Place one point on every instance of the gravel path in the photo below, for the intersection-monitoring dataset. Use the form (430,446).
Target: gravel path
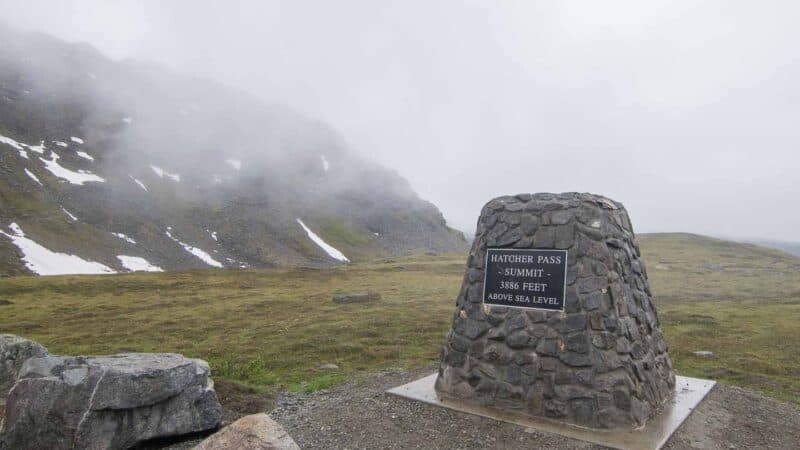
(360,415)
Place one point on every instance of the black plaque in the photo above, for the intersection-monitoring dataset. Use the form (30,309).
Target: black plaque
(525,278)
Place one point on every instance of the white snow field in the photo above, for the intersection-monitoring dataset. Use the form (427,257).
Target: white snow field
(163,173)
(69,175)
(137,264)
(235,163)
(141,185)
(33,177)
(332,252)
(76,140)
(325,164)
(200,253)
(43,261)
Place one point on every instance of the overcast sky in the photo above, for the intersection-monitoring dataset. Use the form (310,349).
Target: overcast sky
(687,112)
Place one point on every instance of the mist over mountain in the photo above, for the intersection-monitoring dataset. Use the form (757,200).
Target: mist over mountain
(108,160)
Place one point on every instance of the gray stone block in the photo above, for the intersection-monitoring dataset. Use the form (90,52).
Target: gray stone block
(117,401)
(14,351)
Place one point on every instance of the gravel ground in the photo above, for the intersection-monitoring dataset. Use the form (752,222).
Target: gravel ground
(359,415)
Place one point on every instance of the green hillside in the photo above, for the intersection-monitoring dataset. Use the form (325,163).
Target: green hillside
(740,301)
(273,328)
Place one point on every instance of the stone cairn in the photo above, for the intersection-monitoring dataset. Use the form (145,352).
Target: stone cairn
(602,362)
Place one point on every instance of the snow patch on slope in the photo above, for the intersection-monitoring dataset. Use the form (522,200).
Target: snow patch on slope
(235,163)
(16,145)
(61,144)
(37,148)
(69,214)
(128,120)
(332,252)
(325,164)
(137,264)
(76,140)
(11,142)
(33,177)
(125,238)
(200,253)
(163,173)
(69,175)
(141,185)
(43,261)
(85,155)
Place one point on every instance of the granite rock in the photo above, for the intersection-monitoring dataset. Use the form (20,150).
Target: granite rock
(14,351)
(108,402)
(253,432)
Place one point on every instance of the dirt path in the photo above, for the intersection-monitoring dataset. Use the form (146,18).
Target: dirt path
(360,415)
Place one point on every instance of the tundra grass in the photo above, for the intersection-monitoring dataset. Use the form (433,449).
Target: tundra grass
(273,329)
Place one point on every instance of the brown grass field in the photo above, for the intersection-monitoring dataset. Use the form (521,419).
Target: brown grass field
(272,329)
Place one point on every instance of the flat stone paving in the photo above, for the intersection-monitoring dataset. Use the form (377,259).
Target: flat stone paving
(689,393)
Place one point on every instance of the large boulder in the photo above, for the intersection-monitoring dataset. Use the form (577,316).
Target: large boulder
(108,402)
(254,432)
(14,351)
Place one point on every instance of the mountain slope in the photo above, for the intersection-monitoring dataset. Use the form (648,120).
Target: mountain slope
(101,159)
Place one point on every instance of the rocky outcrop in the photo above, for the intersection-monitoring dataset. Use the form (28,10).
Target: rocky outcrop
(108,402)
(601,362)
(254,432)
(14,351)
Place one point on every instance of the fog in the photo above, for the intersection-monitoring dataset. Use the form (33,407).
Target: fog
(684,112)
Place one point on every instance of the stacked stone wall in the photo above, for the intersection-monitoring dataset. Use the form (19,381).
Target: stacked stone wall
(603,361)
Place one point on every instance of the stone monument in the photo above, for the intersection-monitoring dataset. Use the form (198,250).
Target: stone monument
(555,317)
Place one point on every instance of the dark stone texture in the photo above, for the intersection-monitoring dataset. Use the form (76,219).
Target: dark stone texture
(601,363)
(518,339)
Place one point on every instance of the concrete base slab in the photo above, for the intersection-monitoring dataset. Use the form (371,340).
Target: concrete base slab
(689,392)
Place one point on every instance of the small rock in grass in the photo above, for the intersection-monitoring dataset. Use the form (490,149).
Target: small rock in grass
(704,354)
(357,298)
(329,367)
